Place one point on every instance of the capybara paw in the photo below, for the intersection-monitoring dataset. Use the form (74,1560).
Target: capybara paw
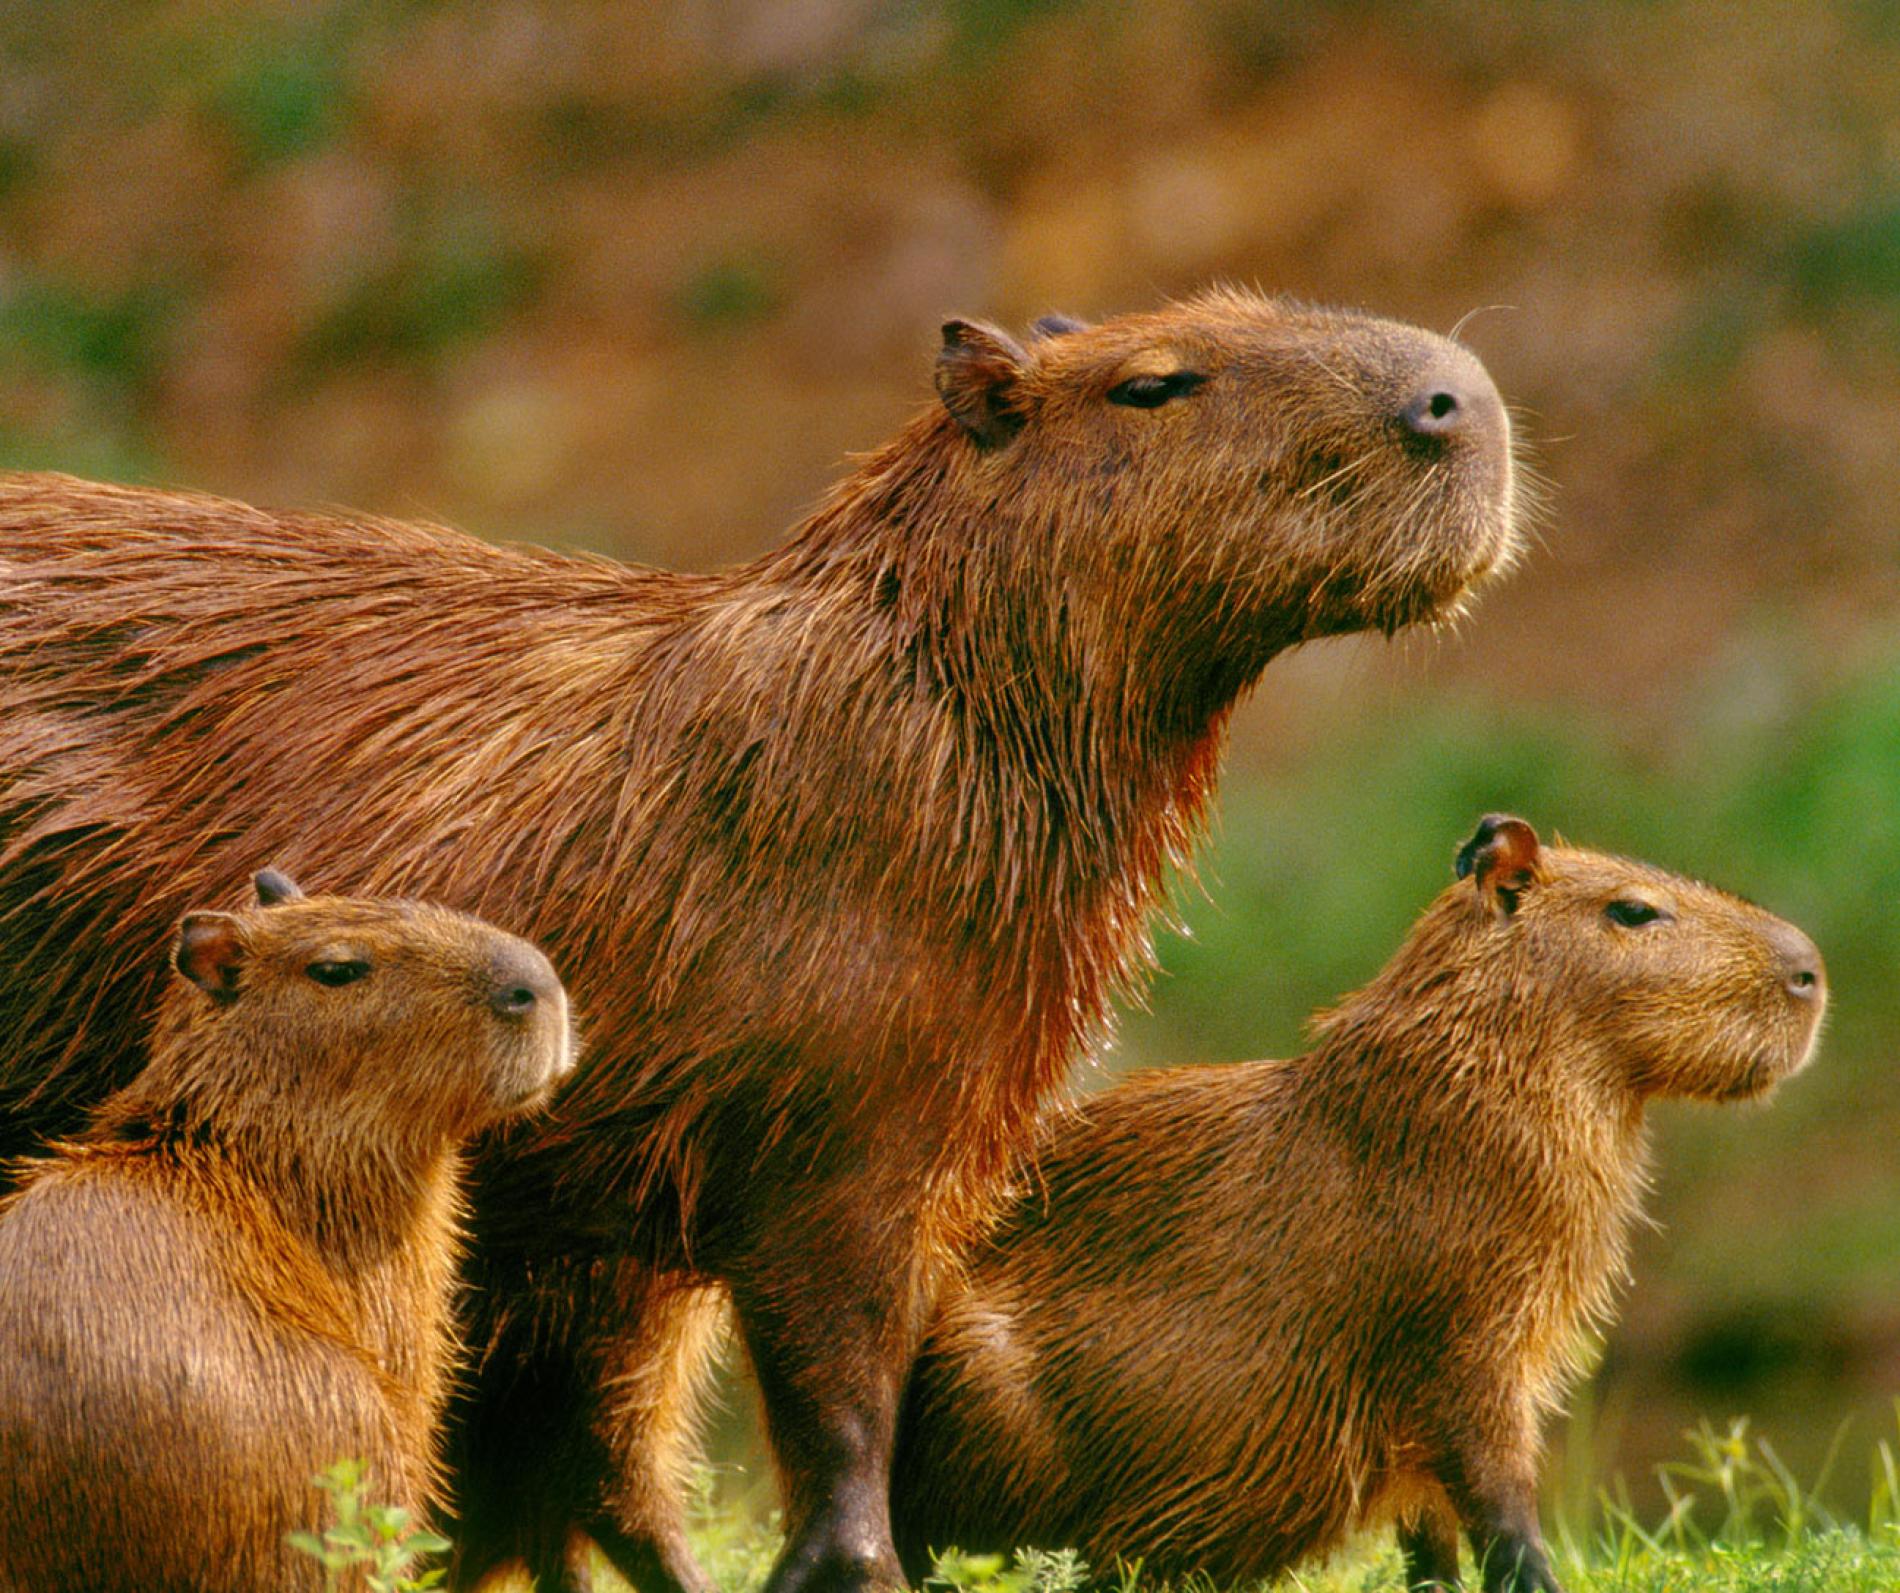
(834,1568)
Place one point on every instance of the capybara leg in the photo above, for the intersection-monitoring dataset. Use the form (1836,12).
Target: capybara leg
(829,1374)
(496,1576)
(1511,1562)
(651,1563)
(1490,1474)
(653,1384)
(584,1425)
(1501,1522)
(1430,1547)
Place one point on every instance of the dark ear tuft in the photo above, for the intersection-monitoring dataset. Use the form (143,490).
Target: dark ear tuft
(1056,326)
(210,952)
(1501,858)
(977,372)
(273,888)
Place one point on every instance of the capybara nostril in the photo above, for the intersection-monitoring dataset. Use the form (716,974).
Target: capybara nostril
(1803,974)
(520,980)
(1432,413)
(1454,397)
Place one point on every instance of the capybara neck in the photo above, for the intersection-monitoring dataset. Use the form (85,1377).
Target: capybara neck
(354,1196)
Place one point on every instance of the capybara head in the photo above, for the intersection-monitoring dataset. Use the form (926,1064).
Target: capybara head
(1326,471)
(1646,983)
(328,1004)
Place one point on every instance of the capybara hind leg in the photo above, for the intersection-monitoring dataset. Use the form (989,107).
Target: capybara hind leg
(584,1425)
(829,1375)
(662,1563)
(1430,1547)
(508,1575)
(654,1383)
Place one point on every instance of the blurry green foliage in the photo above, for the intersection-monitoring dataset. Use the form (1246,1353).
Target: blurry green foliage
(729,293)
(283,102)
(1852,260)
(112,339)
(457,277)
(1313,878)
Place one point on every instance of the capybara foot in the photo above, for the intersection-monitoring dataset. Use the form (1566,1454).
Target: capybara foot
(653,1565)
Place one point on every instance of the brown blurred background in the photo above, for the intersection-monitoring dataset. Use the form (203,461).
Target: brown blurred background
(637,277)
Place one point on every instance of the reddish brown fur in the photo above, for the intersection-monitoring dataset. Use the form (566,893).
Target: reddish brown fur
(1248,1309)
(245,1272)
(844,850)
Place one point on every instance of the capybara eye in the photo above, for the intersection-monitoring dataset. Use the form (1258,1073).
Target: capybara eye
(1151,392)
(337,973)
(1631,914)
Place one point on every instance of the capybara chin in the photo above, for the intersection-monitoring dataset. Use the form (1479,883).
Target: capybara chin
(245,1271)
(843,851)
(1248,1309)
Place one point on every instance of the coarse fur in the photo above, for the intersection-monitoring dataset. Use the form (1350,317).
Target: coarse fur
(1248,1309)
(245,1271)
(843,851)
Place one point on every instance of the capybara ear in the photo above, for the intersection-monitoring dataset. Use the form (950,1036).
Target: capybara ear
(210,952)
(1056,326)
(1501,858)
(273,888)
(977,372)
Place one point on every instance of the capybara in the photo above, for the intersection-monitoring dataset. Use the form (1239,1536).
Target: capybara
(1247,1309)
(244,1272)
(842,851)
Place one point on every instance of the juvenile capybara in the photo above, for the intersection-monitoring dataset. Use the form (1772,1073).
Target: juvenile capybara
(842,851)
(1247,1309)
(244,1271)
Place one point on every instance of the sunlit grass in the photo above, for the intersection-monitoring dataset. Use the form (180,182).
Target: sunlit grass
(1739,1521)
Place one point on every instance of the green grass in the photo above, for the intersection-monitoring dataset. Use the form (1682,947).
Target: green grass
(1739,1521)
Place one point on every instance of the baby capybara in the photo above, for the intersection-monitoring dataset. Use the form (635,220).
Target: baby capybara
(1248,1309)
(244,1272)
(843,851)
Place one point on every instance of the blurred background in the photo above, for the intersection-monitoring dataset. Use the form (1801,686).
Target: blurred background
(637,278)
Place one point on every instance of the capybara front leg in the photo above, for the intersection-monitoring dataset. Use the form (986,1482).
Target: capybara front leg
(1514,1562)
(580,1427)
(1501,1522)
(1490,1473)
(829,1372)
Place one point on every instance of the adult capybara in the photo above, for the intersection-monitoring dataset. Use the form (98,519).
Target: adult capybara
(244,1272)
(1248,1309)
(842,851)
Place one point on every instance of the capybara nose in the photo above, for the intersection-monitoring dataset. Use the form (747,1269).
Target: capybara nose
(520,980)
(1803,974)
(1455,397)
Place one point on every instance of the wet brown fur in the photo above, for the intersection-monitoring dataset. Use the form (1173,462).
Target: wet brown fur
(245,1271)
(1249,1309)
(843,851)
